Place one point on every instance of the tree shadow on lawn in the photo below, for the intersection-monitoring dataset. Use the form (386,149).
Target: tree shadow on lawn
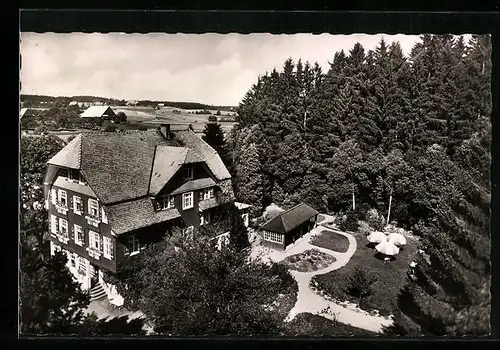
(383,257)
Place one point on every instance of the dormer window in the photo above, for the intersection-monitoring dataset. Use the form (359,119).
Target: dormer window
(187,200)
(190,173)
(166,202)
(74,175)
(208,193)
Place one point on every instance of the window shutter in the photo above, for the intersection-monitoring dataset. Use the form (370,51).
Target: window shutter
(101,243)
(53,196)
(111,253)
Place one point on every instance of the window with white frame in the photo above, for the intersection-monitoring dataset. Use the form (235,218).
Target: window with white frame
(187,200)
(94,241)
(82,265)
(133,244)
(208,193)
(74,174)
(53,224)
(79,235)
(53,196)
(103,215)
(77,205)
(166,202)
(273,237)
(93,207)
(190,173)
(63,227)
(108,247)
(62,198)
(71,258)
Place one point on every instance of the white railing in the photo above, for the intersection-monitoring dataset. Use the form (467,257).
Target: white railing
(93,220)
(62,239)
(112,294)
(61,208)
(96,254)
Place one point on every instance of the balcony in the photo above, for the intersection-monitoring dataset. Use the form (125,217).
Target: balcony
(61,238)
(94,253)
(93,220)
(61,208)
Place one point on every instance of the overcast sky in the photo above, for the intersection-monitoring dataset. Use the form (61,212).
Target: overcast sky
(210,68)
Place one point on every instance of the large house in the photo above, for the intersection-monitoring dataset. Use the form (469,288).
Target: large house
(110,194)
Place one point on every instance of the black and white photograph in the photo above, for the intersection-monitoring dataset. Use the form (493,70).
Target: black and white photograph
(261,184)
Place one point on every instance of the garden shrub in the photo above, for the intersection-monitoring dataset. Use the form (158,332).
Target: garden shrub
(359,284)
(375,219)
(350,222)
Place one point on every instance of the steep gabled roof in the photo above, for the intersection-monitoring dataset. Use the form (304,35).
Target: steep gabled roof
(128,165)
(167,161)
(95,111)
(118,165)
(70,155)
(207,153)
(288,220)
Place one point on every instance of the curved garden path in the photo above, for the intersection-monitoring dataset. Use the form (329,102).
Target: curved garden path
(311,302)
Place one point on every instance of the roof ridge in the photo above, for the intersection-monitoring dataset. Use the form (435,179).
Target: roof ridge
(152,166)
(288,210)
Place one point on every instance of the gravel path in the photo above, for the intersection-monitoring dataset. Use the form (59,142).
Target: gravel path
(311,302)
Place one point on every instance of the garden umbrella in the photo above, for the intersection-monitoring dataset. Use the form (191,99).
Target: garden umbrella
(397,239)
(387,248)
(376,237)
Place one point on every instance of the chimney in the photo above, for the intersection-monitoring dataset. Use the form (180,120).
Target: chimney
(165,131)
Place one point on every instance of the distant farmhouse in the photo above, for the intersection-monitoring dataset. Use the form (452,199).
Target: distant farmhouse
(26,112)
(98,112)
(132,103)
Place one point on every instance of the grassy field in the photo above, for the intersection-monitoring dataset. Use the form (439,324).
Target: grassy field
(331,240)
(389,277)
(150,117)
(307,324)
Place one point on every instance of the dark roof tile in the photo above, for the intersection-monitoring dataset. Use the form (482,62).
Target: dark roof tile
(287,220)
(136,214)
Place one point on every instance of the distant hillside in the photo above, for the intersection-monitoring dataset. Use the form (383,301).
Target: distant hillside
(41,100)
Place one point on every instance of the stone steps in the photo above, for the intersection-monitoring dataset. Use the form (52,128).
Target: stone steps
(97,292)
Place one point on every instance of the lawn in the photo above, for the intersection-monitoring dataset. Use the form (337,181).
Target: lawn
(309,324)
(388,277)
(310,260)
(331,240)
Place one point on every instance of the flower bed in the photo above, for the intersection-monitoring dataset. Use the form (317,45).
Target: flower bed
(310,260)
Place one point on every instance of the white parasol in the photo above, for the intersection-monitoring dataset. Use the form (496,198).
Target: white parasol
(377,237)
(387,248)
(397,239)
